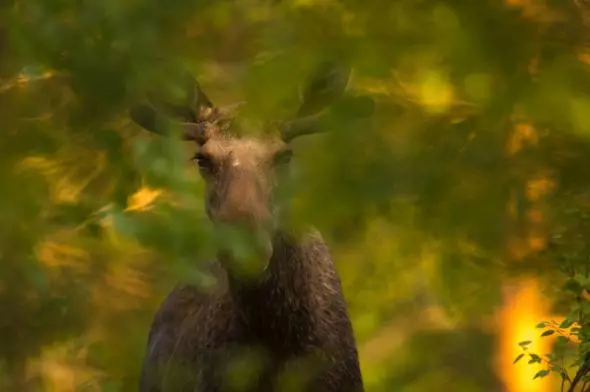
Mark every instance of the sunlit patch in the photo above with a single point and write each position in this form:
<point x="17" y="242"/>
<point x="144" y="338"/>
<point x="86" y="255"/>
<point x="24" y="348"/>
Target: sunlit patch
<point x="143" y="199"/>
<point x="435" y="92"/>
<point x="539" y="187"/>
<point x="23" y="79"/>
<point x="62" y="369"/>
<point x="62" y="176"/>
<point x="524" y="308"/>
<point x="536" y="242"/>
<point x="524" y="135"/>
<point x="59" y="255"/>
<point x="429" y="88"/>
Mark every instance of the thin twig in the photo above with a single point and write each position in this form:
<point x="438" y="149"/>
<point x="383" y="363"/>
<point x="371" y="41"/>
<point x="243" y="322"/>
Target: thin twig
<point x="582" y="371"/>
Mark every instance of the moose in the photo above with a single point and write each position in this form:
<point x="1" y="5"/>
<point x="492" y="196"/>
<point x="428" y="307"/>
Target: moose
<point x="293" y="316"/>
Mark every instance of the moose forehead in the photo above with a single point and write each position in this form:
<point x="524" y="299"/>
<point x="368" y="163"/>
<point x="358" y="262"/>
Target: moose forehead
<point x="245" y="151"/>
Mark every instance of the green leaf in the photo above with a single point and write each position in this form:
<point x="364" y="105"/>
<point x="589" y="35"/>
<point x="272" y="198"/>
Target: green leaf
<point x="518" y="358"/>
<point x="542" y="324"/>
<point x="566" y="323"/>
<point x="541" y="374"/>
<point x="549" y="332"/>
<point x="524" y="343"/>
<point x="534" y="359"/>
<point x="573" y="286"/>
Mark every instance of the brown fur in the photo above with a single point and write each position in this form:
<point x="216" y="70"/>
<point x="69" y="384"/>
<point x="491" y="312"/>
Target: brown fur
<point x="296" y="311"/>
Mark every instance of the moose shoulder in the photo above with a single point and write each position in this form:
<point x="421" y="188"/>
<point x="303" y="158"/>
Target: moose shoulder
<point x="290" y="319"/>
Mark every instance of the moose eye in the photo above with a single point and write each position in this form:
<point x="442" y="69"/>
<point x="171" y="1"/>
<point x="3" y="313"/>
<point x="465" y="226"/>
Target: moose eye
<point x="203" y="161"/>
<point x="283" y="158"/>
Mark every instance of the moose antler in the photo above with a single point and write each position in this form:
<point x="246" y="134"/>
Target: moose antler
<point x="201" y="118"/>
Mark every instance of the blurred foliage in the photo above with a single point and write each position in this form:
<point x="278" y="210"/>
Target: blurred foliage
<point x="471" y="172"/>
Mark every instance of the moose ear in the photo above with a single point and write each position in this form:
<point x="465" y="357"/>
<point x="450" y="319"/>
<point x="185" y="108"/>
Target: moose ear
<point x="146" y="117"/>
<point x="324" y="86"/>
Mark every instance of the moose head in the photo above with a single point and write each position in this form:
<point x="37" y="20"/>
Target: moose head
<point x="241" y="172"/>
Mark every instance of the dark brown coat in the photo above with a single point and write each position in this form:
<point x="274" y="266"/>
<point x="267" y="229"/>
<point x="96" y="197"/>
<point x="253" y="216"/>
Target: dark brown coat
<point x="295" y="312"/>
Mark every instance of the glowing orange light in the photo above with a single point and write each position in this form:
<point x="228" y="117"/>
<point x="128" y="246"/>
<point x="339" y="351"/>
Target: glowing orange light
<point x="524" y="308"/>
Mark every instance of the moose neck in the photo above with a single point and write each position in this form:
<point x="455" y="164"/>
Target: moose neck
<point x="277" y="307"/>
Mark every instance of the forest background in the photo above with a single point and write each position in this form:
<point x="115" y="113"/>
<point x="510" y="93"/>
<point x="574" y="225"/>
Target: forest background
<point x="457" y="213"/>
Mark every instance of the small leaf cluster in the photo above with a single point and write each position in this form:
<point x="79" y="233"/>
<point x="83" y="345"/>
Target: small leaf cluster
<point x="571" y="347"/>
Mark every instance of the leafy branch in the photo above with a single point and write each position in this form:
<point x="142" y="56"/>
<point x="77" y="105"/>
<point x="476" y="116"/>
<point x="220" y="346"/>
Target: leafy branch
<point x="572" y="340"/>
